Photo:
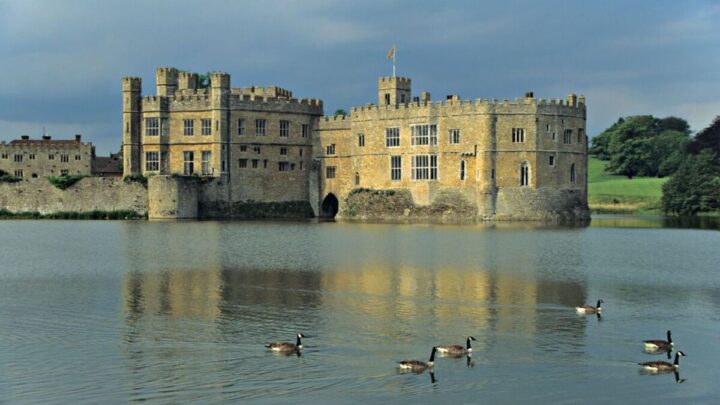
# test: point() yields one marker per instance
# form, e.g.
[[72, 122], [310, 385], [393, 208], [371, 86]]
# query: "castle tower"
[[220, 102], [393, 90], [166, 80], [188, 81], [131, 89]]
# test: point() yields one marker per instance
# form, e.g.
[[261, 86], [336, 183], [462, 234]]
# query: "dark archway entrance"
[[329, 207]]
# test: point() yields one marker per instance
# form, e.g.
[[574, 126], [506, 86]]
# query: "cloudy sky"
[[62, 61]]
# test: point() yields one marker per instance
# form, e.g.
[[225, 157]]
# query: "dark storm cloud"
[[63, 60]]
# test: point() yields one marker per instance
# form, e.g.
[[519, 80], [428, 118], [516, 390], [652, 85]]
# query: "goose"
[[286, 346], [417, 365], [456, 350], [658, 345], [589, 309], [656, 366]]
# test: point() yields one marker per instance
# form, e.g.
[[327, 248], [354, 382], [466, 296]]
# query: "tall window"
[[188, 127], [32, 156], [572, 173], [551, 160], [392, 137], [18, 173], [254, 163], [330, 149], [260, 127], [152, 161], [387, 98], [454, 136], [18, 158], [164, 126], [242, 163], [256, 149], [77, 157], [283, 151], [241, 126], [425, 134], [305, 130], [283, 166], [361, 140], [206, 157], [51, 157], [357, 178], [524, 174], [330, 172], [567, 136], [206, 126], [462, 170], [424, 167], [518, 135], [64, 158], [152, 126], [284, 128], [395, 167], [188, 163], [4, 155]]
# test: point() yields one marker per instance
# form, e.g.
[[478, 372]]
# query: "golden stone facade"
[[520, 159], [38, 158]]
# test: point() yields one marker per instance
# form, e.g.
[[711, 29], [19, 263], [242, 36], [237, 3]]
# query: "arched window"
[[462, 170], [357, 178], [524, 174], [572, 173]]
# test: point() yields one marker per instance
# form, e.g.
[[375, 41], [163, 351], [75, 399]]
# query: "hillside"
[[617, 194]]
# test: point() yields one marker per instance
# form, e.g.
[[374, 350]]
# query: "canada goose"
[[589, 309], [656, 366], [286, 346], [417, 365], [456, 350], [659, 345]]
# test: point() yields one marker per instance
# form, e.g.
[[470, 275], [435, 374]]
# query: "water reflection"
[[620, 221]]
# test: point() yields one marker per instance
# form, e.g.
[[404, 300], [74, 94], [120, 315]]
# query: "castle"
[[216, 151], [27, 158]]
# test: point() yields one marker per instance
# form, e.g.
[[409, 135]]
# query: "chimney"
[[572, 100], [24, 137], [425, 97], [78, 137], [529, 94], [46, 137]]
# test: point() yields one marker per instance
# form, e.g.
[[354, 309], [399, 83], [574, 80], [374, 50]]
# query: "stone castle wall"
[[88, 194]]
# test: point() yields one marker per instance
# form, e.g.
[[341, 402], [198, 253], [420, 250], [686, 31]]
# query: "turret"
[[394, 90], [220, 102], [131, 93], [187, 81], [166, 80]]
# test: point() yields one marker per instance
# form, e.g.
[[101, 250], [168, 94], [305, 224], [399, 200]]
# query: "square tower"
[[393, 90]]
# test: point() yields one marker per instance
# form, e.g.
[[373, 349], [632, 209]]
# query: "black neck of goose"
[[468, 344], [669, 338], [297, 342], [598, 304], [677, 358], [432, 355]]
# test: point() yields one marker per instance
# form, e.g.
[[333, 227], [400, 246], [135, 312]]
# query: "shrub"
[[65, 181]]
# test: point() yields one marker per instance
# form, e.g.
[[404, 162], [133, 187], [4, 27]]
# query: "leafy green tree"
[[340, 111], [668, 151], [695, 187], [708, 138]]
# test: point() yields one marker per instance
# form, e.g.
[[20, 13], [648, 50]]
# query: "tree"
[[695, 187], [668, 151], [708, 138], [340, 111]]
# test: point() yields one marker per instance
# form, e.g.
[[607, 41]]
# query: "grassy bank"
[[121, 214], [610, 194]]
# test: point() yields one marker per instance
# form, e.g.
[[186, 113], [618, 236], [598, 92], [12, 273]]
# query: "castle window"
[[77, 157], [492, 174], [19, 173], [32, 156], [580, 135], [206, 126], [260, 127], [205, 158], [284, 128], [305, 130], [152, 161], [572, 173], [18, 158], [300, 150], [330, 172], [454, 136], [64, 158], [188, 127], [283, 151], [392, 137], [387, 98], [127, 127], [292, 166], [64, 172], [395, 167], [163, 126], [242, 163], [34, 175], [424, 167], [283, 166], [330, 149], [361, 140], [567, 136], [265, 162], [554, 137], [551, 160], [357, 178], [243, 148], [4, 155], [402, 98], [301, 165], [524, 174], [152, 126], [254, 163], [462, 170], [423, 134], [547, 127], [256, 149], [51, 157], [188, 163], [518, 135], [241, 126]]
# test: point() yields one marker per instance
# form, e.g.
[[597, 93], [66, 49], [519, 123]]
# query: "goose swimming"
[[417, 365], [589, 309], [286, 346], [660, 345], [659, 366], [456, 350]]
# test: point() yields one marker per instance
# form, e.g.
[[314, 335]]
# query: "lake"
[[168, 312]]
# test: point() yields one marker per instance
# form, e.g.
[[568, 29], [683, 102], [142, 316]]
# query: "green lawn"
[[617, 194]]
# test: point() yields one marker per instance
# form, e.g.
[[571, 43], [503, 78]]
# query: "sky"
[[62, 61]]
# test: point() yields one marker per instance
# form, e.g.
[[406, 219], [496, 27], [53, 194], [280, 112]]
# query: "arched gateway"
[[329, 207]]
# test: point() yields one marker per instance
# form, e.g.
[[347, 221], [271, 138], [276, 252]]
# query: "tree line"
[[644, 145]]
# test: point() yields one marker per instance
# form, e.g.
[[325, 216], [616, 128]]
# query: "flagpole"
[[394, 60]]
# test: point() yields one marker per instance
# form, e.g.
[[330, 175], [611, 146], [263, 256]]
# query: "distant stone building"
[[406, 156], [108, 166], [31, 158]]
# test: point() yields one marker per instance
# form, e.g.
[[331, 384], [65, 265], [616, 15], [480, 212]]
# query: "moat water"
[[177, 312]]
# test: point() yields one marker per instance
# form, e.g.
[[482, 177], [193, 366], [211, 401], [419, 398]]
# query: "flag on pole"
[[391, 53]]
